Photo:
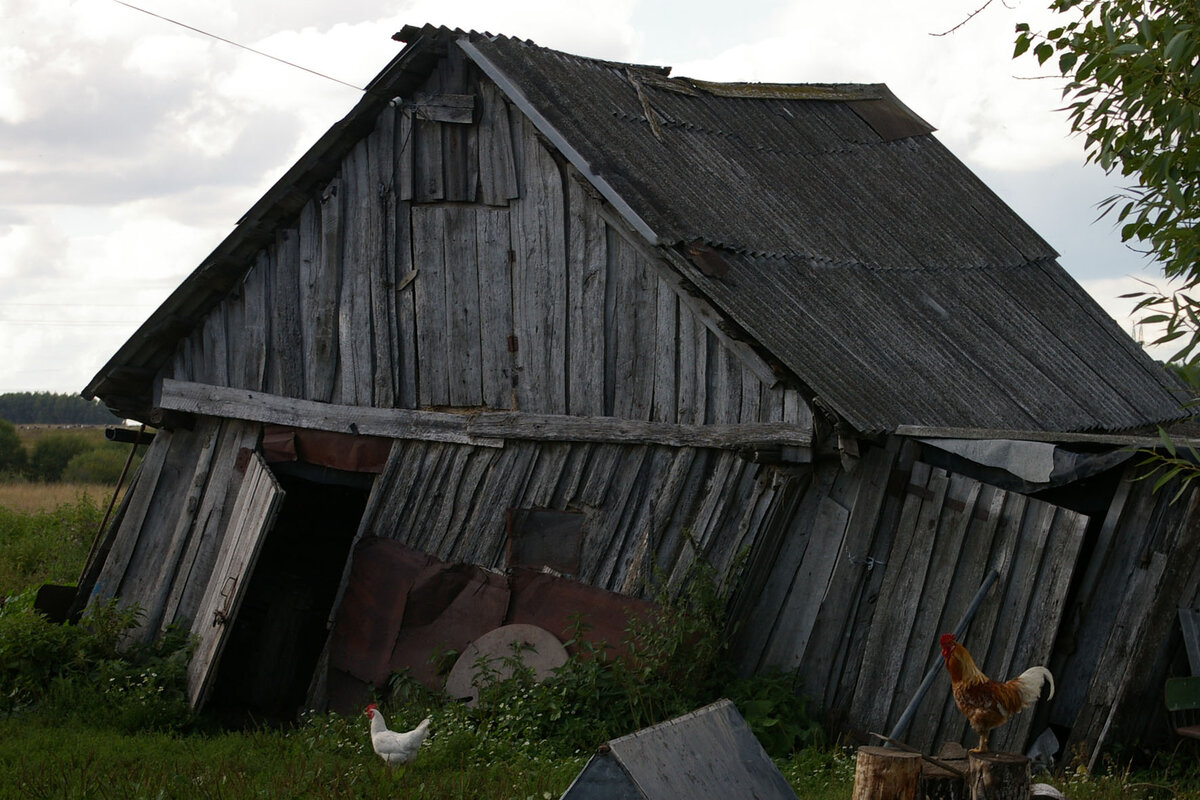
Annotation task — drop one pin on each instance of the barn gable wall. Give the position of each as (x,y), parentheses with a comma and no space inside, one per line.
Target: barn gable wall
(466,265)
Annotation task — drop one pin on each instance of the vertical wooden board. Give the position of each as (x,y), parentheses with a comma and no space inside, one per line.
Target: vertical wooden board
(903,586)
(488,532)
(215,345)
(633,324)
(465,368)
(320,284)
(629,490)
(355,326)
(406,277)
(381,257)
(587,254)
(428,182)
(1044,612)
(493,244)
(724,386)
(144,573)
(108,582)
(666,354)
(405,147)
(824,657)
(693,354)
(670,490)
(428,230)
(459,141)
(801,606)
(540,284)
(153,579)
(255,330)
(460,532)
(255,509)
(440,505)
(765,639)
(497,167)
(212,518)
(977,559)
(287,364)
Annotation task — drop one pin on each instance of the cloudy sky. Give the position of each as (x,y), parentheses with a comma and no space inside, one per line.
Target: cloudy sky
(129,147)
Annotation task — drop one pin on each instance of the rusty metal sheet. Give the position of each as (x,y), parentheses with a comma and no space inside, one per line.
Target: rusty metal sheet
(372,610)
(448,607)
(551,602)
(344,451)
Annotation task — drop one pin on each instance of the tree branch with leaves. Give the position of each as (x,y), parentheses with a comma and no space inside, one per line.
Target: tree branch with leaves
(1132,90)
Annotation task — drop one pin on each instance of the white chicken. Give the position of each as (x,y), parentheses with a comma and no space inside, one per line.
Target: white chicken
(392,746)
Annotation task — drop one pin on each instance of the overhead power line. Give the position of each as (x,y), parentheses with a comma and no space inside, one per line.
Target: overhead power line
(242,46)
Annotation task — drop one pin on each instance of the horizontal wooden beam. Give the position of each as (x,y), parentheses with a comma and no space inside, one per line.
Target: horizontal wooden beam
(1054,437)
(485,428)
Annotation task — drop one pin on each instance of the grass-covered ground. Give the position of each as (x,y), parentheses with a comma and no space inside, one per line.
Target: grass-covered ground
(83,717)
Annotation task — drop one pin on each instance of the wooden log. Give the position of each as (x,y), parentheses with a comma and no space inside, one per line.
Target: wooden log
(998,776)
(938,783)
(882,773)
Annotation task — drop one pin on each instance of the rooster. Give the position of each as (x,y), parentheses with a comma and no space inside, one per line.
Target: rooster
(986,703)
(393,747)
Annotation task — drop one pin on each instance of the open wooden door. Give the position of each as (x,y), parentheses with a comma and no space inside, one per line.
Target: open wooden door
(258,502)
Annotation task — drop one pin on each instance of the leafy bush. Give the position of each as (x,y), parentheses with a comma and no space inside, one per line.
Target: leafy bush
(98,465)
(92,672)
(12,453)
(52,453)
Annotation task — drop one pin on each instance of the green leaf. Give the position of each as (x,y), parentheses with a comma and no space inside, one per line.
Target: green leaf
(1022,46)
(1043,52)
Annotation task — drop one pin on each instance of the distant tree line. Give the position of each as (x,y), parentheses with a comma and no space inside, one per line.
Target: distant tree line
(47,408)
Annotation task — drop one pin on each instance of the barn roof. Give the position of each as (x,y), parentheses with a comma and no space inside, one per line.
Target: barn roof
(825,221)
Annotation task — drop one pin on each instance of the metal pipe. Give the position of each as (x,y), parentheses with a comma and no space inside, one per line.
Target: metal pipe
(911,710)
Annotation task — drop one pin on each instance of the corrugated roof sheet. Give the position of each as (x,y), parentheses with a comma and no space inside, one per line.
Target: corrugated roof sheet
(874,265)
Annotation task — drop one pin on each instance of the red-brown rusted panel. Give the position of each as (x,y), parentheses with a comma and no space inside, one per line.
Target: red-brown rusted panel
(551,602)
(372,609)
(448,607)
(344,451)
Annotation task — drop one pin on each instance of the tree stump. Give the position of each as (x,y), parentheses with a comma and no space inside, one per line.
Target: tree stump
(883,773)
(998,776)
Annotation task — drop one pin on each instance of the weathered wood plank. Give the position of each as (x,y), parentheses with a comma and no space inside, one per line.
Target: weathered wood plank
(465,428)
(428,177)
(464,339)
(287,345)
(216,345)
(153,581)
(666,354)
(255,332)
(823,658)
(460,146)
(540,283)
(405,148)
(587,255)
(320,283)
(405,276)
(899,595)
(380,265)
(355,339)
(693,358)
(212,518)
(497,167)
(257,504)
(493,248)
(632,326)
(433,348)
(458,109)
(149,474)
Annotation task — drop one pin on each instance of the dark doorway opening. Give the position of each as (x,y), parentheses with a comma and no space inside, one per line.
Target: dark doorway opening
(280,629)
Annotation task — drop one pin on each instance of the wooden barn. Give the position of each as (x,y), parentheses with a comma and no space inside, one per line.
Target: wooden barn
(528,333)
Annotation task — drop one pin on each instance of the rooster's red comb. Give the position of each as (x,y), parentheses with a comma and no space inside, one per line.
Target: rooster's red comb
(947,639)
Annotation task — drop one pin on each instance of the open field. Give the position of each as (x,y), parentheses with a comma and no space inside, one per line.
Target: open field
(28,498)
